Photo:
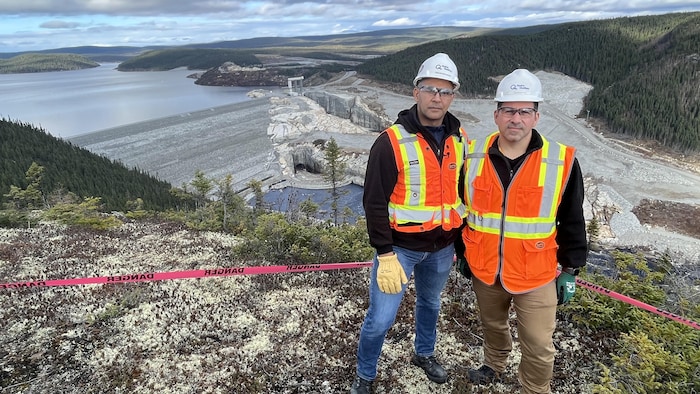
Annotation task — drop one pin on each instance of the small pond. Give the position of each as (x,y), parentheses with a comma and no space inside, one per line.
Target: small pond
(289,198)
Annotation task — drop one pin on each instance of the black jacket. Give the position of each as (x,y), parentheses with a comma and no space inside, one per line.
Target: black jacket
(380,178)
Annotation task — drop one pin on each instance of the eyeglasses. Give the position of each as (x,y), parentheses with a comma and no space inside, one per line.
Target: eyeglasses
(432,90)
(525,113)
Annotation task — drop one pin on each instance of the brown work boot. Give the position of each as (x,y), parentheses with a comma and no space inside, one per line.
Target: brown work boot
(483,375)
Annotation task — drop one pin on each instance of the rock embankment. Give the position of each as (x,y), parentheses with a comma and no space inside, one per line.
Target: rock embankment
(230,74)
(352,107)
(218,141)
(274,138)
(300,127)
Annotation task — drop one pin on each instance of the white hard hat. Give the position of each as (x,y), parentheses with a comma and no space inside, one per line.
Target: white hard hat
(520,85)
(438,66)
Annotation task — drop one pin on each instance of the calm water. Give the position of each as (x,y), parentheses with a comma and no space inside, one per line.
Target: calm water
(289,198)
(69,103)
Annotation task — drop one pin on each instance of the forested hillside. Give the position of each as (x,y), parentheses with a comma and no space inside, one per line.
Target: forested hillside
(71,168)
(196,59)
(100,54)
(645,70)
(36,62)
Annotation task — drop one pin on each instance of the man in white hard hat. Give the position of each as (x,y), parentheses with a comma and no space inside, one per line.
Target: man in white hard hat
(414,213)
(524,195)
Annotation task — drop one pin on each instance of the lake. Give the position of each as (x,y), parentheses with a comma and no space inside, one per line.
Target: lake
(70,103)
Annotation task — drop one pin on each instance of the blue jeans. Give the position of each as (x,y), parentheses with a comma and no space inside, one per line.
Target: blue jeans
(430,273)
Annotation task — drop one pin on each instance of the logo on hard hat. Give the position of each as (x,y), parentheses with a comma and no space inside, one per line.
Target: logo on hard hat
(442,67)
(518,87)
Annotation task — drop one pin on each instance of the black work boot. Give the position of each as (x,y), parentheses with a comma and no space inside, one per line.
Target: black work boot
(483,375)
(435,371)
(361,386)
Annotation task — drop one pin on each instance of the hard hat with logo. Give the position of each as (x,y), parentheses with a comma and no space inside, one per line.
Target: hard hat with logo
(520,85)
(438,66)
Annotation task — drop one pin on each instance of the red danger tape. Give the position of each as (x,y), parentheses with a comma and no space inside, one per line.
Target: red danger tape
(638,304)
(206,273)
(276,269)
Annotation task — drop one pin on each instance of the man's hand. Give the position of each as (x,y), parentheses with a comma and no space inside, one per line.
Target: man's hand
(463,267)
(566,287)
(390,275)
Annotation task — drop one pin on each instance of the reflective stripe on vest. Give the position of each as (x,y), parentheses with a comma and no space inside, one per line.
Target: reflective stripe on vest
(551,179)
(413,206)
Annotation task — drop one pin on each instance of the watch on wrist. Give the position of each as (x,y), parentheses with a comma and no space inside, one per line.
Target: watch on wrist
(571,271)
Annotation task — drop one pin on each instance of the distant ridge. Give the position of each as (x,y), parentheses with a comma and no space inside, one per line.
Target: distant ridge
(379,41)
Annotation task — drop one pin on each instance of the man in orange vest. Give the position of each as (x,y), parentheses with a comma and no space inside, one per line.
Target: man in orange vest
(414,214)
(524,196)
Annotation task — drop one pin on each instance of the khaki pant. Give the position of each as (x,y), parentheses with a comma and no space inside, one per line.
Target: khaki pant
(536,318)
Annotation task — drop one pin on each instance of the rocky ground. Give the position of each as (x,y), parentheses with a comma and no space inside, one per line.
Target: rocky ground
(275,333)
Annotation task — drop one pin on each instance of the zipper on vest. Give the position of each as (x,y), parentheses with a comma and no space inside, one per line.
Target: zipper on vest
(504,210)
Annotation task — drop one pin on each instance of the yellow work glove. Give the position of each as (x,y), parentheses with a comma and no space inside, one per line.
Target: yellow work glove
(390,275)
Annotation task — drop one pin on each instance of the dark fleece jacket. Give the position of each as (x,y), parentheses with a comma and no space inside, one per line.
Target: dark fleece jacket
(380,179)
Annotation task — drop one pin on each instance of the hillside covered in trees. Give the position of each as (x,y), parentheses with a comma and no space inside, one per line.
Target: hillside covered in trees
(69,168)
(645,71)
(37,62)
(196,59)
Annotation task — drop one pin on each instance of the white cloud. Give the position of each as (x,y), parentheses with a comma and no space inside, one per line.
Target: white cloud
(395,22)
(25,23)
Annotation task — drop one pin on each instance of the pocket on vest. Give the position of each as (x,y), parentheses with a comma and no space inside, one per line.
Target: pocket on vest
(528,200)
(483,192)
(540,257)
(472,242)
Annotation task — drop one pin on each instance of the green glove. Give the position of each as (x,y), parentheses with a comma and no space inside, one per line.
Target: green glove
(463,267)
(390,275)
(566,287)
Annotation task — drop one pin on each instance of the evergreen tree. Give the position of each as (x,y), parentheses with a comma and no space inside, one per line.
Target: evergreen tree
(225,195)
(334,173)
(593,231)
(202,187)
(256,186)
(31,197)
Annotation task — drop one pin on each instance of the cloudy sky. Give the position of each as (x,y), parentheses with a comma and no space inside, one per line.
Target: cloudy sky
(27,25)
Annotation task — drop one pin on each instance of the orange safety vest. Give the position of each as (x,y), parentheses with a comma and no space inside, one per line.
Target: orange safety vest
(426,194)
(515,236)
